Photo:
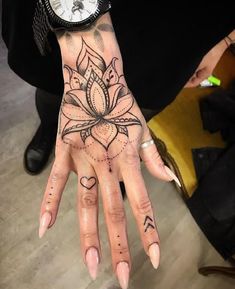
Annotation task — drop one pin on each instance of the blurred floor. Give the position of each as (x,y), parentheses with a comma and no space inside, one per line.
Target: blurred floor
(54,262)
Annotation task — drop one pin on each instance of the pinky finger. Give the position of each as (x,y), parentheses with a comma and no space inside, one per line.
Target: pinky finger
(52,196)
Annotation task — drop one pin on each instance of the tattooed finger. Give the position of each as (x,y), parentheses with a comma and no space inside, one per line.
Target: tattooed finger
(88,220)
(143,212)
(50,203)
(116,222)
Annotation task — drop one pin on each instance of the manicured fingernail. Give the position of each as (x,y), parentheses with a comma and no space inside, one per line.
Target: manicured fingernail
(92,261)
(123,274)
(172,176)
(44,223)
(154,254)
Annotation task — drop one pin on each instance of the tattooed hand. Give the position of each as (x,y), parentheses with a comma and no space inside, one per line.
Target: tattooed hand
(100,132)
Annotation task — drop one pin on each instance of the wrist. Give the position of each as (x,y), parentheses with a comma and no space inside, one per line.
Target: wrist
(230,39)
(99,36)
(81,55)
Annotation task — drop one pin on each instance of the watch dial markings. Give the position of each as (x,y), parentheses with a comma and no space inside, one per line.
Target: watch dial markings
(56,4)
(62,13)
(74,10)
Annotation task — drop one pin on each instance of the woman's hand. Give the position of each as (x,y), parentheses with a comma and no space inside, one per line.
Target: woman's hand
(100,133)
(207,65)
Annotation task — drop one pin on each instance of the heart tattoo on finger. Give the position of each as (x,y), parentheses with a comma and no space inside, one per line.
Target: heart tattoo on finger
(88,183)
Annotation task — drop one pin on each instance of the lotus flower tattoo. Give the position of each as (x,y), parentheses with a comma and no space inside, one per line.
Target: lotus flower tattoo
(97,103)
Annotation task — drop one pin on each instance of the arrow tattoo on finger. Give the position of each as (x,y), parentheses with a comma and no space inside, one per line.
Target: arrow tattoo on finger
(148,225)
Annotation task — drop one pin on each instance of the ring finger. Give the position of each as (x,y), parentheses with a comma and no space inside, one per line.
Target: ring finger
(142,210)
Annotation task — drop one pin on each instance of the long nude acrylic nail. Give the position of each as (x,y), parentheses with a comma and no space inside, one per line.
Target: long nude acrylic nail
(172,175)
(154,254)
(92,261)
(123,274)
(44,223)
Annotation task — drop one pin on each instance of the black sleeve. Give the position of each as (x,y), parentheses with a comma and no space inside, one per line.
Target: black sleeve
(162,46)
(23,56)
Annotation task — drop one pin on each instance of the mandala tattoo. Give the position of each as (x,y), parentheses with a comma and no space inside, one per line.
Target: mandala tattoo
(97,105)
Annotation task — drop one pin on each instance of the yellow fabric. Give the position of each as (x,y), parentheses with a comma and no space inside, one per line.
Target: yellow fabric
(179,125)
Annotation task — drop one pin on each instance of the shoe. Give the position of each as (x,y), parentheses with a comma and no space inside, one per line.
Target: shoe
(38,151)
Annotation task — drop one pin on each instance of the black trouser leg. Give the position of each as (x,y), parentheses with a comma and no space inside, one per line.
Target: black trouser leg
(48,106)
(40,147)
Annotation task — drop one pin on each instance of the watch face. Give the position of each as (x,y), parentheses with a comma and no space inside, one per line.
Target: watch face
(74,10)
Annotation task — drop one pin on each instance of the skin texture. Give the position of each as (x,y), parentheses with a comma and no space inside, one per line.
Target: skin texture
(209,62)
(100,129)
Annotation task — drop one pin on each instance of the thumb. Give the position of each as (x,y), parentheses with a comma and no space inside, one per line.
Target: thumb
(201,75)
(153,161)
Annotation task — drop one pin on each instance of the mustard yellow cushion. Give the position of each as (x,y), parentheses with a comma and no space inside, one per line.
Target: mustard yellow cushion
(179,127)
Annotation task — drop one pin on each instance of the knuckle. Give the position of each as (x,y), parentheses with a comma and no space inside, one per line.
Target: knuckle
(88,200)
(89,235)
(121,250)
(132,158)
(116,215)
(155,155)
(144,206)
(59,175)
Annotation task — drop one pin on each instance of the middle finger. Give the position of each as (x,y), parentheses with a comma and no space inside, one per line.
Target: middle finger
(116,221)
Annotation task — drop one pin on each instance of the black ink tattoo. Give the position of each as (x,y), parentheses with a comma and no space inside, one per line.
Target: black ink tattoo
(97,105)
(149,224)
(88,183)
(97,28)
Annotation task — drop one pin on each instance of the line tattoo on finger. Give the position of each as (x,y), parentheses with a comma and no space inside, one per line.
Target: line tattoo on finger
(148,223)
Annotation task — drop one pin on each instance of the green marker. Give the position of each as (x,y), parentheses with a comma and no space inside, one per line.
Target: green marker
(214,80)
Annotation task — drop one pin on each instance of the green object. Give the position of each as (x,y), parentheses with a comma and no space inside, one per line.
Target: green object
(214,80)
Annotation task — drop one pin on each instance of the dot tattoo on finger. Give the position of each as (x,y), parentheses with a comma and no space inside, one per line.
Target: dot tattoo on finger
(50,195)
(118,236)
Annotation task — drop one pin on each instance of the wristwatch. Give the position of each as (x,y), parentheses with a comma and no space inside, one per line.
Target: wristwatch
(67,15)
